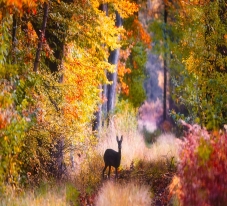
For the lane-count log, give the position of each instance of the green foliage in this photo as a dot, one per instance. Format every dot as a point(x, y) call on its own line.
point(15, 122)
point(136, 48)
point(164, 37)
point(204, 84)
point(72, 195)
point(5, 40)
point(204, 151)
point(150, 137)
point(195, 42)
point(16, 113)
point(136, 78)
point(126, 115)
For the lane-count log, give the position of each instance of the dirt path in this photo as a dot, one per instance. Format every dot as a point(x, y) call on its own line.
point(157, 176)
point(158, 183)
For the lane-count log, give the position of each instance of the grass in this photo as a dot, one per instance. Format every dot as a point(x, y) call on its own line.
point(40, 197)
point(86, 179)
point(46, 194)
point(156, 158)
point(131, 194)
point(134, 147)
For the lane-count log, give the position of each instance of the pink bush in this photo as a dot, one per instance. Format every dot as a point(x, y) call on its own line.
point(203, 168)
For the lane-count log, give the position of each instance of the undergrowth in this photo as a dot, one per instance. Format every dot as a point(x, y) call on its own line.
point(144, 170)
point(45, 194)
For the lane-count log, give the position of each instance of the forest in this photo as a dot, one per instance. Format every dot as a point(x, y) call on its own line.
point(138, 86)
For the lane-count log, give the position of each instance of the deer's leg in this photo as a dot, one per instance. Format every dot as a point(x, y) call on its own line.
point(109, 172)
point(116, 175)
point(104, 171)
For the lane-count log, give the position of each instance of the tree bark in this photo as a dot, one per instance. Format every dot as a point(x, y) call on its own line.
point(113, 59)
point(109, 91)
point(14, 39)
point(97, 120)
point(41, 37)
point(102, 108)
point(104, 105)
point(165, 67)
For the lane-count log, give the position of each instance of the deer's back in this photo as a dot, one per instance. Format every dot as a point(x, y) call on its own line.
point(112, 158)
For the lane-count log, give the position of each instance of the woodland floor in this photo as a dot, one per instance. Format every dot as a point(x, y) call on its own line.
point(158, 183)
point(157, 175)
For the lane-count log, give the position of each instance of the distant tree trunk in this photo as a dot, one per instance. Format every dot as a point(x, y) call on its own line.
point(97, 120)
point(61, 66)
point(41, 37)
point(14, 39)
point(113, 59)
point(104, 105)
point(60, 145)
point(96, 124)
point(104, 87)
point(56, 167)
point(165, 67)
point(109, 91)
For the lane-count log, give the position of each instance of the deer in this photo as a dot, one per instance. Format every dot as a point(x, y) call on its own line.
point(113, 158)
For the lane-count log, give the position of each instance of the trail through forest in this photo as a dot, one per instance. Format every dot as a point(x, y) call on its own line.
point(157, 176)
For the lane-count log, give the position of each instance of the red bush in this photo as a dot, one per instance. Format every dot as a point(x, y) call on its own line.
point(203, 168)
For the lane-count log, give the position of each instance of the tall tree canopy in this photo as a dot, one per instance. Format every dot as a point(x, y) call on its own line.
point(204, 41)
point(53, 59)
point(196, 39)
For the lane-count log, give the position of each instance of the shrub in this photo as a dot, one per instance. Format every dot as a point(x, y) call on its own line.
point(88, 174)
point(150, 137)
point(16, 117)
point(130, 194)
point(202, 168)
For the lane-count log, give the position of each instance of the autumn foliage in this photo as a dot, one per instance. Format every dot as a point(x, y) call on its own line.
point(47, 112)
point(202, 168)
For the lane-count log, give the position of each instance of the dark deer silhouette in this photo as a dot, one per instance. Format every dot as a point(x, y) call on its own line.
point(113, 158)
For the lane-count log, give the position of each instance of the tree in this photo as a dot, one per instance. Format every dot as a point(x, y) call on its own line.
point(112, 77)
point(165, 84)
point(133, 58)
point(162, 33)
point(120, 9)
point(41, 36)
point(44, 108)
point(51, 91)
point(14, 83)
point(204, 57)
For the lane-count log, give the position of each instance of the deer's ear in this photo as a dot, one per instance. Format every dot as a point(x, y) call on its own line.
point(117, 138)
point(121, 137)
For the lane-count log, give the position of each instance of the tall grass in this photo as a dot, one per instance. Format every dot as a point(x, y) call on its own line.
point(134, 147)
point(89, 164)
point(43, 196)
point(47, 194)
point(130, 194)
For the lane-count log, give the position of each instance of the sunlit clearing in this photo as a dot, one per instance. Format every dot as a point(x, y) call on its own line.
point(134, 148)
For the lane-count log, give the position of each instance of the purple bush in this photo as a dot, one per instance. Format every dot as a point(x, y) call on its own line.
point(203, 168)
